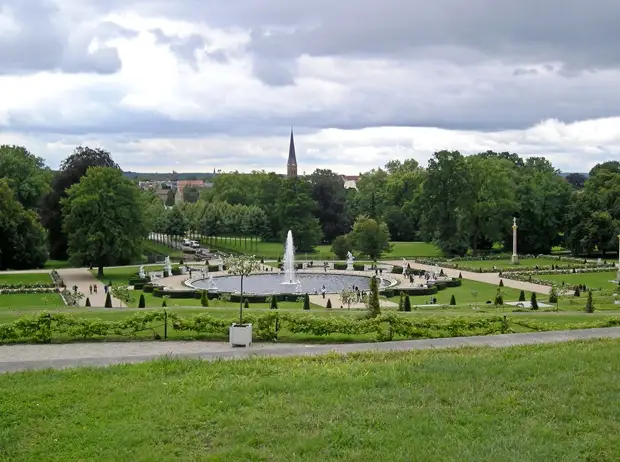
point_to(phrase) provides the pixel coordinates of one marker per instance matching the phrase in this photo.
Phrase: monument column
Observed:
(515, 257)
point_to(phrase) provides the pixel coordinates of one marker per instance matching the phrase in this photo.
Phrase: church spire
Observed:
(291, 165)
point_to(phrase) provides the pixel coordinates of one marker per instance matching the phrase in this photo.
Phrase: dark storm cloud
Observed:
(44, 43)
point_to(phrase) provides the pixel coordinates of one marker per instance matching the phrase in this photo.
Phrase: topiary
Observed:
(204, 299)
(407, 304)
(452, 300)
(142, 302)
(87, 303)
(108, 300)
(522, 296)
(533, 301)
(306, 302)
(328, 304)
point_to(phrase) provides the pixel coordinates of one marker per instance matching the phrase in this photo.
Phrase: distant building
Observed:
(291, 165)
(350, 181)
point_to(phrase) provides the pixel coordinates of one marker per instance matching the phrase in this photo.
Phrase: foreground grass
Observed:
(554, 402)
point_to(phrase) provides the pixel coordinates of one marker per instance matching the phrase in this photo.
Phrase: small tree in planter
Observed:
(204, 299)
(589, 303)
(306, 302)
(533, 301)
(242, 266)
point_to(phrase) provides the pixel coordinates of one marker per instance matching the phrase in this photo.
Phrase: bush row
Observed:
(43, 327)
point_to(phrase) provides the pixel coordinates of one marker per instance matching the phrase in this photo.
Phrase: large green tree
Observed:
(104, 219)
(72, 169)
(25, 173)
(22, 238)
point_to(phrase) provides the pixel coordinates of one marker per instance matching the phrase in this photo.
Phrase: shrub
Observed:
(533, 301)
(87, 303)
(407, 304)
(142, 302)
(204, 299)
(501, 283)
(306, 302)
(328, 305)
(108, 300)
(522, 296)
(589, 303)
(577, 292)
(499, 298)
(553, 296)
(452, 300)
(246, 303)
(274, 303)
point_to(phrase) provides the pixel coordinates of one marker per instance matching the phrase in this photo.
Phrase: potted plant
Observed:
(240, 334)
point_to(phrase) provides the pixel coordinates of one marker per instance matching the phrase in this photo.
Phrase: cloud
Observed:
(190, 84)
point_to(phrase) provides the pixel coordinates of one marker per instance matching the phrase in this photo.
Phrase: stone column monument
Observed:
(515, 257)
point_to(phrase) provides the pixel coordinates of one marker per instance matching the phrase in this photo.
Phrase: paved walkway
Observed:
(489, 278)
(83, 278)
(24, 357)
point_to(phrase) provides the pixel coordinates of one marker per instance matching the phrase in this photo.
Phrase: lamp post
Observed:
(515, 257)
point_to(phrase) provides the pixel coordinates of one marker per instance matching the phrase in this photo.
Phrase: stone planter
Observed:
(240, 335)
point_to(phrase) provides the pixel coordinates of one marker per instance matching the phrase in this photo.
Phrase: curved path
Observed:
(489, 278)
(25, 357)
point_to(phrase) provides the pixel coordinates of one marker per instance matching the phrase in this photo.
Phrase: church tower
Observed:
(291, 165)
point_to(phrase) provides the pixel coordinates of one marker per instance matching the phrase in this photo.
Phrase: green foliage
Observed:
(306, 302)
(522, 296)
(589, 303)
(407, 304)
(452, 300)
(142, 302)
(533, 301)
(204, 299)
(370, 238)
(108, 300)
(373, 306)
(104, 218)
(341, 246)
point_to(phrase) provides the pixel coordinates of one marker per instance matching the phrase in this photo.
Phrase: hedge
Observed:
(43, 327)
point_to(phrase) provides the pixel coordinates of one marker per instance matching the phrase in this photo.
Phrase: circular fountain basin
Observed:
(265, 284)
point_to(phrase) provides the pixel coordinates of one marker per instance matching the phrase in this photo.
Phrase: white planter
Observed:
(240, 335)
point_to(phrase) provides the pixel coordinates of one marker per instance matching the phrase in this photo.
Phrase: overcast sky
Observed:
(194, 85)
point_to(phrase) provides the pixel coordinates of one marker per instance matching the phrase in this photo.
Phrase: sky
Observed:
(197, 85)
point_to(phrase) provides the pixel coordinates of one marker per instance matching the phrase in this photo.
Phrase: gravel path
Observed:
(24, 357)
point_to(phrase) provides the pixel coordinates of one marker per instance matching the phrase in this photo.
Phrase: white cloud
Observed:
(233, 115)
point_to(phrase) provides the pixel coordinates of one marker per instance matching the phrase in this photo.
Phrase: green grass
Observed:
(30, 301)
(273, 250)
(506, 264)
(554, 402)
(25, 278)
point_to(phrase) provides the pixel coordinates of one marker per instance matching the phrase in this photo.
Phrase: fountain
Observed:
(289, 261)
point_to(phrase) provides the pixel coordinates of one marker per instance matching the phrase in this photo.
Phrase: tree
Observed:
(341, 246)
(533, 301)
(104, 219)
(72, 169)
(589, 303)
(204, 299)
(370, 237)
(306, 302)
(22, 238)
(373, 306)
(242, 266)
(25, 174)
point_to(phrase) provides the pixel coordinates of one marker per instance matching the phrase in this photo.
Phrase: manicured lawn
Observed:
(273, 250)
(25, 278)
(507, 265)
(553, 402)
(30, 301)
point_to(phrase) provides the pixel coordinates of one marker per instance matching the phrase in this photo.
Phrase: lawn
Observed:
(554, 402)
(25, 278)
(30, 301)
(506, 264)
(273, 250)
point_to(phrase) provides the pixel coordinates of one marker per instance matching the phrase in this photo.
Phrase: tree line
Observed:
(89, 212)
